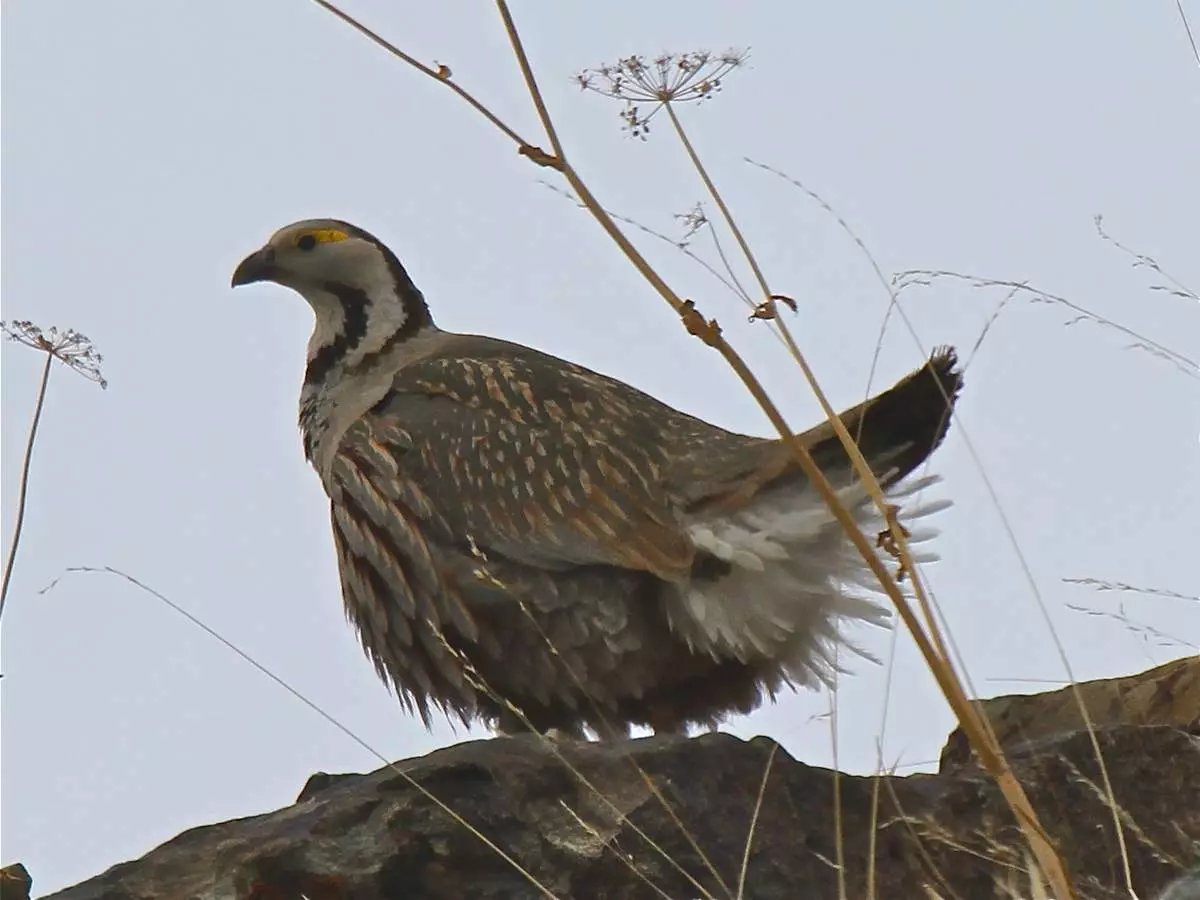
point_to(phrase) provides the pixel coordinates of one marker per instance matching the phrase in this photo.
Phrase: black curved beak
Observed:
(258, 266)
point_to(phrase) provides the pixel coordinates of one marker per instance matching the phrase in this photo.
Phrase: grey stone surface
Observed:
(582, 821)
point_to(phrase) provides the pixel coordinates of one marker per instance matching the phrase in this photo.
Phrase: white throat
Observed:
(359, 342)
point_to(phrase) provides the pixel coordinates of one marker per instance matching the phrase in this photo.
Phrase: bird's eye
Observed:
(306, 242)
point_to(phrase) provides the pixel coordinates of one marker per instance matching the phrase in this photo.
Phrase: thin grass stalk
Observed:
(441, 75)
(873, 837)
(328, 717)
(717, 198)
(1014, 287)
(1187, 29)
(839, 832)
(758, 802)
(990, 754)
(26, 464)
(922, 850)
(479, 684)
(645, 776)
(627, 862)
(858, 462)
(977, 732)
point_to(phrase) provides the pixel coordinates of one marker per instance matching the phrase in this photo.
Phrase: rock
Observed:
(1166, 695)
(670, 817)
(15, 883)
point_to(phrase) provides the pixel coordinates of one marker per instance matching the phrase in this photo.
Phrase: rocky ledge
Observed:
(676, 818)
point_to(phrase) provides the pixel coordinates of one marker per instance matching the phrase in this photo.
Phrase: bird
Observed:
(527, 544)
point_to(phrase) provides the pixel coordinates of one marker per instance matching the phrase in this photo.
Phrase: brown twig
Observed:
(977, 730)
(74, 351)
(22, 490)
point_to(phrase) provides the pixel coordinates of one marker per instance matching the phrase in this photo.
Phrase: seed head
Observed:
(692, 221)
(669, 78)
(68, 346)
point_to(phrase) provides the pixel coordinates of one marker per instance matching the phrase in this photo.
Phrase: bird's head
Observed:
(363, 298)
(314, 253)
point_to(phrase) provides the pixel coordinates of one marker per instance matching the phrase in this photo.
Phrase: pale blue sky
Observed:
(148, 147)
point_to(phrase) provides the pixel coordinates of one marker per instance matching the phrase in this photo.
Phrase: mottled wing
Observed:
(533, 459)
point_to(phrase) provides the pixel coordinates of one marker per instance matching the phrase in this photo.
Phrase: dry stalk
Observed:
(328, 717)
(899, 539)
(74, 351)
(26, 463)
(977, 730)
(839, 831)
(758, 801)
(1187, 29)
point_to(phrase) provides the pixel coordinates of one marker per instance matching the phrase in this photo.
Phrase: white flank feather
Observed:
(795, 576)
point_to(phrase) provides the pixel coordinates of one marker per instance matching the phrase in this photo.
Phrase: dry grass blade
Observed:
(976, 728)
(593, 205)
(893, 306)
(708, 331)
(1101, 585)
(1176, 288)
(839, 832)
(666, 93)
(728, 280)
(642, 773)
(626, 859)
(931, 642)
(440, 74)
(910, 824)
(758, 802)
(1148, 633)
(480, 685)
(924, 277)
(1187, 28)
(328, 717)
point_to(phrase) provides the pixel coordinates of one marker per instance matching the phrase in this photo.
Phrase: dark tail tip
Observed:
(898, 429)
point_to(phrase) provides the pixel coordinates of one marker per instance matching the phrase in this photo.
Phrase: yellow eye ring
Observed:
(310, 239)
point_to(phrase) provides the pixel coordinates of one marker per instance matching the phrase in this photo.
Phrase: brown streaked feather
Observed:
(483, 462)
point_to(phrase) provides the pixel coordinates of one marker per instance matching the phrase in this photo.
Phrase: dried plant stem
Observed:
(758, 802)
(839, 844)
(593, 205)
(11, 559)
(479, 684)
(977, 730)
(328, 717)
(1187, 29)
(850, 445)
(442, 76)
(717, 198)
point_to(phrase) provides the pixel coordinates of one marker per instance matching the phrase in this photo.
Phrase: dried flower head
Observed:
(68, 346)
(692, 221)
(669, 78)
